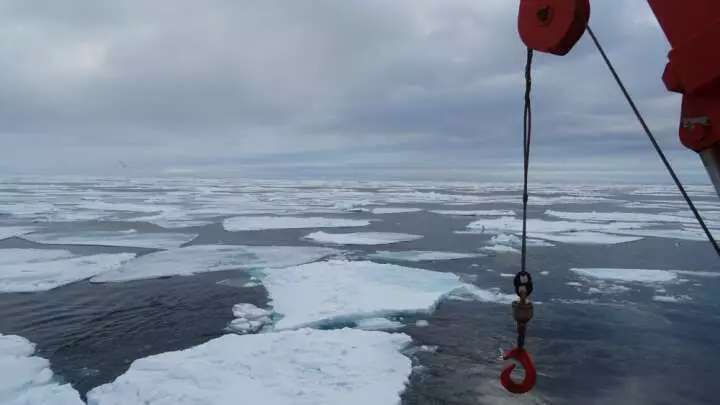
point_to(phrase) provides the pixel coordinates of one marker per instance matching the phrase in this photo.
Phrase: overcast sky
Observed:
(417, 89)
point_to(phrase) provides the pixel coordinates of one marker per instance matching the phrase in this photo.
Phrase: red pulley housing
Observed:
(553, 26)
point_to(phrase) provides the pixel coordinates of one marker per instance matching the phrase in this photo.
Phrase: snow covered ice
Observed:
(421, 255)
(249, 318)
(28, 380)
(209, 258)
(11, 231)
(237, 224)
(27, 270)
(303, 367)
(361, 238)
(150, 240)
(340, 291)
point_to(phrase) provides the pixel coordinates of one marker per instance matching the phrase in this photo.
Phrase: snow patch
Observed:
(339, 291)
(28, 270)
(304, 367)
(361, 238)
(209, 258)
(237, 224)
(113, 238)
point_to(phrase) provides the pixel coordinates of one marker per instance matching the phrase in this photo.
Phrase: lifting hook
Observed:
(525, 361)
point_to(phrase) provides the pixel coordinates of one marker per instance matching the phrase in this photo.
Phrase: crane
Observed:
(692, 28)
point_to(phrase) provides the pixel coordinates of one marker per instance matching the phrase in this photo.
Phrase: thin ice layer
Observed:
(394, 210)
(304, 367)
(618, 216)
(633, 275)
(249, 318)
(113, 238)
(361, 238)
(341, 291)
(266, 223)
(474, 213)
(378, 324)
(586, 238)
(27, 270)
(421, 255)
(28, 380)
(11, 231)
(209, 258)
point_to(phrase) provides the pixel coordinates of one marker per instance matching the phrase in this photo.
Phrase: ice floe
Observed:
(236, 224)
(27, 379)
(672, 298)
(469, 292)
(421, 323)
(586, 238)
(343, 291)
(11, 231)
(113, 238)
(28, 270)
(249, 318)
(209, 258)
(500, 249)
(632, 275)
(474, 213)
(394, 210)
(618, 216)
(421, 255)
(361, 238)
(378, 324)
(304, 367)
(514, 225)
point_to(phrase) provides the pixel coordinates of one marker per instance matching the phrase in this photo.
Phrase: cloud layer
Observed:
(409, 88)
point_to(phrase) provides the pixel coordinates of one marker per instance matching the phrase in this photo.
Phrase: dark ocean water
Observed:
(616, 349)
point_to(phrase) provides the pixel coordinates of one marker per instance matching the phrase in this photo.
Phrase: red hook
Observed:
(530, 375)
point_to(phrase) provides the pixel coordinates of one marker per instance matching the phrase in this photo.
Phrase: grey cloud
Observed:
(171, 85)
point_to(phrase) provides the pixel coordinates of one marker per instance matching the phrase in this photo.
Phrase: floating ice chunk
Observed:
(361, 238)
(113, 238)
(604, 288)
(340, 291)
(378, 324)
(421, 255)
(394, 210)
(672, 298)
(514, 225)
(617, 216)
(679, 234)
(304, 367)
(249, 318)
(208, 258)
(11, 231)
(507, 275)
(574, 284)
(586, 238)
(633, 275)
(26, 270)
(469, 292)
(123, 206)
(28, 380)
(515, 241)
(501, 249)
(173, 219)
(544, 273)
(421, 323)
(236, 224)
(474, 213)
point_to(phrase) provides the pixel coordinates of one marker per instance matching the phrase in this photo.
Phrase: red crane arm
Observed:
(692, 28)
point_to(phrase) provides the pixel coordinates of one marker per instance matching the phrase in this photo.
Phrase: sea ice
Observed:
(618, 216)
(208, 258)
(501, 249)
(236, 224)
(361, 238)
(249, 318)
(586, 238)
(421, 323)
(514, 225)
(394, 210)
(474, 213)
(113, 238)
(469, 292)
(421, 255)
(303, 367)
(378, 324)
(631, 275)
(27, 270)
(11, 231)
(28, 380)
(340, 291)
(672, 298)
